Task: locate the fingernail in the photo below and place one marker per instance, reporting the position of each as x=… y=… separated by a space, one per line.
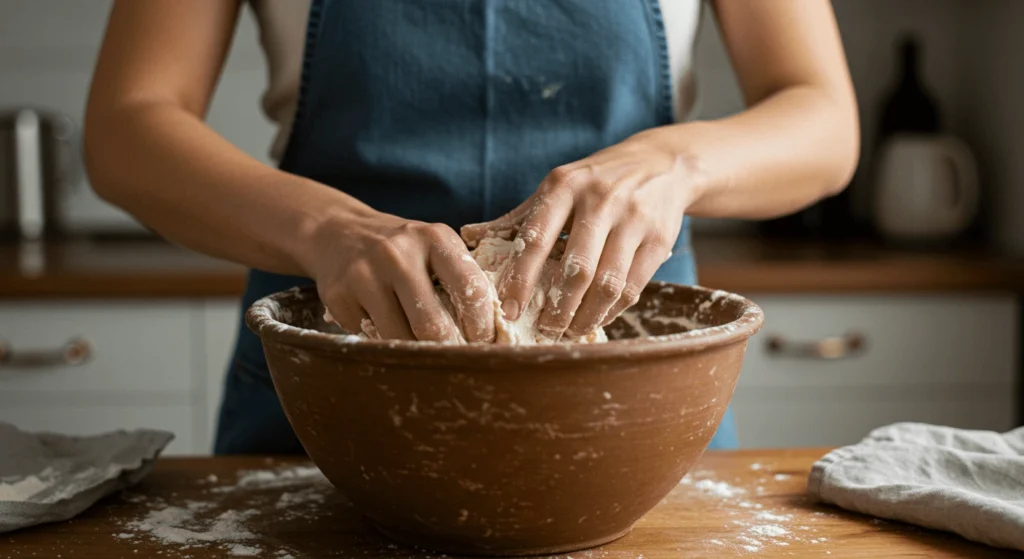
x=510 y=308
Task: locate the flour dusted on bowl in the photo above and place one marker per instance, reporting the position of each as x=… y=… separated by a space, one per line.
x=492 y=254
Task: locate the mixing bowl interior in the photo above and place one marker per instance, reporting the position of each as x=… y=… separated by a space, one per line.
x=672 y=314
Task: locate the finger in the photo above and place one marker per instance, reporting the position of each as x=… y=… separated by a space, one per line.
x=649 y=257
x=427 y=317
x=467 y=287
x=385 y=312
x=504 y=227
x=346 y=313
x=609 y=281
x=575 y=273
x=533 y=245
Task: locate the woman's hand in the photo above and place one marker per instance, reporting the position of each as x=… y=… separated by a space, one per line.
x=379 y=267
x=623 y=208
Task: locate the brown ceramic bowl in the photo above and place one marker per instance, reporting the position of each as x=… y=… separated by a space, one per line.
x=496 y=450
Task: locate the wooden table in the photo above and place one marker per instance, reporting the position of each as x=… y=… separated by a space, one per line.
x=732 y=504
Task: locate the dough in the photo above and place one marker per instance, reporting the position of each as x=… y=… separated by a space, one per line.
x=492 y=255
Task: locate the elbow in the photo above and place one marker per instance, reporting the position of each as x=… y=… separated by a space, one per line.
x=100 y=163
x=843 y=144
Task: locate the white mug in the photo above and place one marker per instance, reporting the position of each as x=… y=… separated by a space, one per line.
x=927 y=187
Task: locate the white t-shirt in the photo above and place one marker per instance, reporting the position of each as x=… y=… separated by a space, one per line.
x=283 y=32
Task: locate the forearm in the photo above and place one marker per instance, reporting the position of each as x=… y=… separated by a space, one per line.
x=786 y=152
x=167 y=168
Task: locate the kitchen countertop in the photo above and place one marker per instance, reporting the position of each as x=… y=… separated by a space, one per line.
x=733 y=503
x=154 y=269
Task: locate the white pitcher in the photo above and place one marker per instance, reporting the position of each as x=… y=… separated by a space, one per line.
x=927 y=187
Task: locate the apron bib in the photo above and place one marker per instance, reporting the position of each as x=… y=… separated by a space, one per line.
x=453 y=111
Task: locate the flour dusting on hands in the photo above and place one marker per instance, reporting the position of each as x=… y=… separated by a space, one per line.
x=492 y=254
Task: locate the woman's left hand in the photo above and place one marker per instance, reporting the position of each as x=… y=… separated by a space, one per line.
x=622 y=207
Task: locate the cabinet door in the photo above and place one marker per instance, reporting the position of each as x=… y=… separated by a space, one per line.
x=134 y=347
x=806 y=417
x=221 y=323
x=907 y=341
x=943 y=360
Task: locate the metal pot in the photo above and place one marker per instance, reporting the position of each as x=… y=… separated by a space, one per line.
x=40 y=158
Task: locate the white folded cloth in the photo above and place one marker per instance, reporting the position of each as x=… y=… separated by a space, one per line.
x=967 y=482
x=46 y=477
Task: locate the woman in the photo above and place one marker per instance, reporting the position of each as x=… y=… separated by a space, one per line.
x=403 y=120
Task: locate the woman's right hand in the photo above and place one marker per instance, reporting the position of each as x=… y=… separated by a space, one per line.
x=379 y=266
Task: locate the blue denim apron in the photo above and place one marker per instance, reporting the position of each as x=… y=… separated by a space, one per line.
x=453 y=111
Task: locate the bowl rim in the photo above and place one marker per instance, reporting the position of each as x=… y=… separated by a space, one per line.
x=261 y=318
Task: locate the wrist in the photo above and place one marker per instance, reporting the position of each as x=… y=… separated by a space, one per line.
x=323 y=223
x=679 y=144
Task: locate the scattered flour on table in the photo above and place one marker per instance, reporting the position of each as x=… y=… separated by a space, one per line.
x=753 y=526
x=719 y=488
x=293 y=492
x=244 y=550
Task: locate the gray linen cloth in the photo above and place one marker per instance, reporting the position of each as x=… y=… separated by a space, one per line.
x=967 y=482
x=46 y=477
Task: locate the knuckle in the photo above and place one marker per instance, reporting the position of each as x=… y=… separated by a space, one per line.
x=475 y=289
x=610 y=285
x=555 y=320
x=389 y=248
x=567 y=175
x=606 y=189
x=360 y=272
x=661 y=239
x=634 y=208
x=631 y=295
x=578 y=268
x=532 y=235
x=551 y=330
x=439 y=232
x=513 y=284
x=434 y=326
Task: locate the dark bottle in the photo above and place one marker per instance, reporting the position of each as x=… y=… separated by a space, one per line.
x=908 y=107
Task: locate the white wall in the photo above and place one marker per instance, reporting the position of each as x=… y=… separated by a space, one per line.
x=47 y=52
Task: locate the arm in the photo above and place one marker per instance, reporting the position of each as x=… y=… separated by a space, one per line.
x=796 y=143
x=149 y=151
x=799 y=139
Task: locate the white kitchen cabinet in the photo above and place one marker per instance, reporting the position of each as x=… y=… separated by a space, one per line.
x=949 y=360
x=135 y=347
x=221 y=318
x=143 y=369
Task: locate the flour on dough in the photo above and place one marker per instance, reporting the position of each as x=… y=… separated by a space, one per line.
x=492 y=255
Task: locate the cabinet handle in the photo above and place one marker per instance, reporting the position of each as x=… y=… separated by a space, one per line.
x=836 y=347
x=75 y=352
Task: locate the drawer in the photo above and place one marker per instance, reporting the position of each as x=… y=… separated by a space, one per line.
x=91 y=420
x=135 y=347
x=220 y=322
x=788 y=417
x=907 y=341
